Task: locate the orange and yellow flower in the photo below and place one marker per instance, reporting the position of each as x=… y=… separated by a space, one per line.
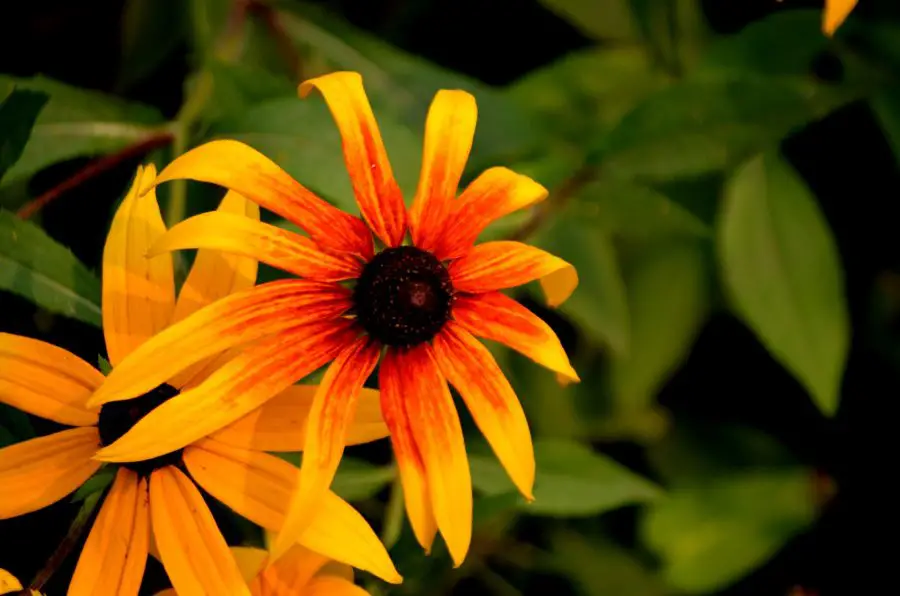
x=836 y=12
x=157 y=500
x=420 y=304
x=10 y=585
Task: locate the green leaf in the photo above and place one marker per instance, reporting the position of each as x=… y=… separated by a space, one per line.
x=673 y=31
x=103 y=364
x=99 y=481
x=77 y=123
x=668 y=291
x=15 y=425
x=151 y=30
x=18 y=112
x=357 y=480
x=711 y=534
x=572 y=480
x=607 y=20
x=36 y=267
x=237 y=88
x=782 y=270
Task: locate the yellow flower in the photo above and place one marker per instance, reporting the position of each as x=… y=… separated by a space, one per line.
x=156 y=500
x=836 y=12
x=417 y=307
x=300 y=572
x=9 y=584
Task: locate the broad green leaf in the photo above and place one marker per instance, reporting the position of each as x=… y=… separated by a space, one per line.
x=782 y=270
x=606 y=20
x=674 y=31
x=236 y=88
x=713 y=121
x=357 y=480
x=17 y=115
x=77 y=123
x=711 y=534
x=14 y=425
x=668 y=291
x=151 y=30
x=598 y=305
x=36 y=267
x=572 y=480
x=99 y=481
x=300 y=135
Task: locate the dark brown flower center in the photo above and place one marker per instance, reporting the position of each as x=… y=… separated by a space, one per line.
x=403 y=296
x=118 y=417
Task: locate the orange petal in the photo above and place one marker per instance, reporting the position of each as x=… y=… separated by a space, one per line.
x=469 y=367
x=47 y=381
x=258 y=312
x=332 y=411
x=495 y=193
x=333 y=586
x=272 y=245
x=193 y=552
x=38 y=472
x=449 y=130
x=379 y=197
x=291 y=574
x=113 y=558
x=230 y=393
x=8 y=582
x=413 y=377
x=280 y=424
x=215 y=274
x=138 y=293
x=507 y=264
x=258 y=486
x=245 y=170
x=836 y=12
x=498 y=317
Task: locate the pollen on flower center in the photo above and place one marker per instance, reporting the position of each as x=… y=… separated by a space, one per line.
x=403 y=296
x=118 y=417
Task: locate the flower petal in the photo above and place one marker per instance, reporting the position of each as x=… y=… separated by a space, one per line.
x=469 y=367
x=449 y=130
x=507 y=264
x=272 y=245
x=41 y=471
x=8 y=582
x=138 y=293
x=245 y=170
x=193 y=551
x=414 y=377
x=836 y=12
x=47 y=381
x=258 y=486
x=377 y=193
x=247 y=316
x=332 y=586
x=115 y=553
x=498 y=317
x=495 y=193
x=215 y=274
x=292 y=572
x=250 y=560
x=231 y=392
x=280 y=424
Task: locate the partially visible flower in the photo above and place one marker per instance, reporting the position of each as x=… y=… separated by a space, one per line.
x=300 y=572
x=9 y=585
x=156 y=500
x=836 y=12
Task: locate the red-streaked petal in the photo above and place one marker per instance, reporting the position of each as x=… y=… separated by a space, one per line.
x=280 y=424
x=236 y=389
x=241 y=168
x=379 y=197
x=113 y=558
x=449 y=130
x=507 y=264
x=495 y=193
x=41 y=471
x=138 y=293
x=269 y=244
x=244 y=317
x=332 y=411
x=469 y=367
x=192 y=549
x=47 y=381
x=413 y=376
x=498 y=317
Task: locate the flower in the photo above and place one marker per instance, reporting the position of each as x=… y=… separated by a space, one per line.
x=836 y=12
x=10 y=585
x=300 y=572
x=423 y=304
x=155 y=500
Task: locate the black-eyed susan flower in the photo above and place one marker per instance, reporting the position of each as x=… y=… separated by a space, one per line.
x=10 y=585
x=300 y=572
x=836 y=12
x=156 y=499
x=420 y=303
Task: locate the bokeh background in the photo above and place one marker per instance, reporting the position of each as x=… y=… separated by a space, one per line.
x=723 y=175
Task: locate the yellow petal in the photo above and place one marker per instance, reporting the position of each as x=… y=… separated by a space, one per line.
x=193 y=551
x=333 y=586
x=8 y=583
x=258 y=486
x=280 y=424
x=250 y=560
x=115 y=553
x=138 y=293
x=291 y=574
x=38 y=472
x=47 y=381
x=836 y=12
